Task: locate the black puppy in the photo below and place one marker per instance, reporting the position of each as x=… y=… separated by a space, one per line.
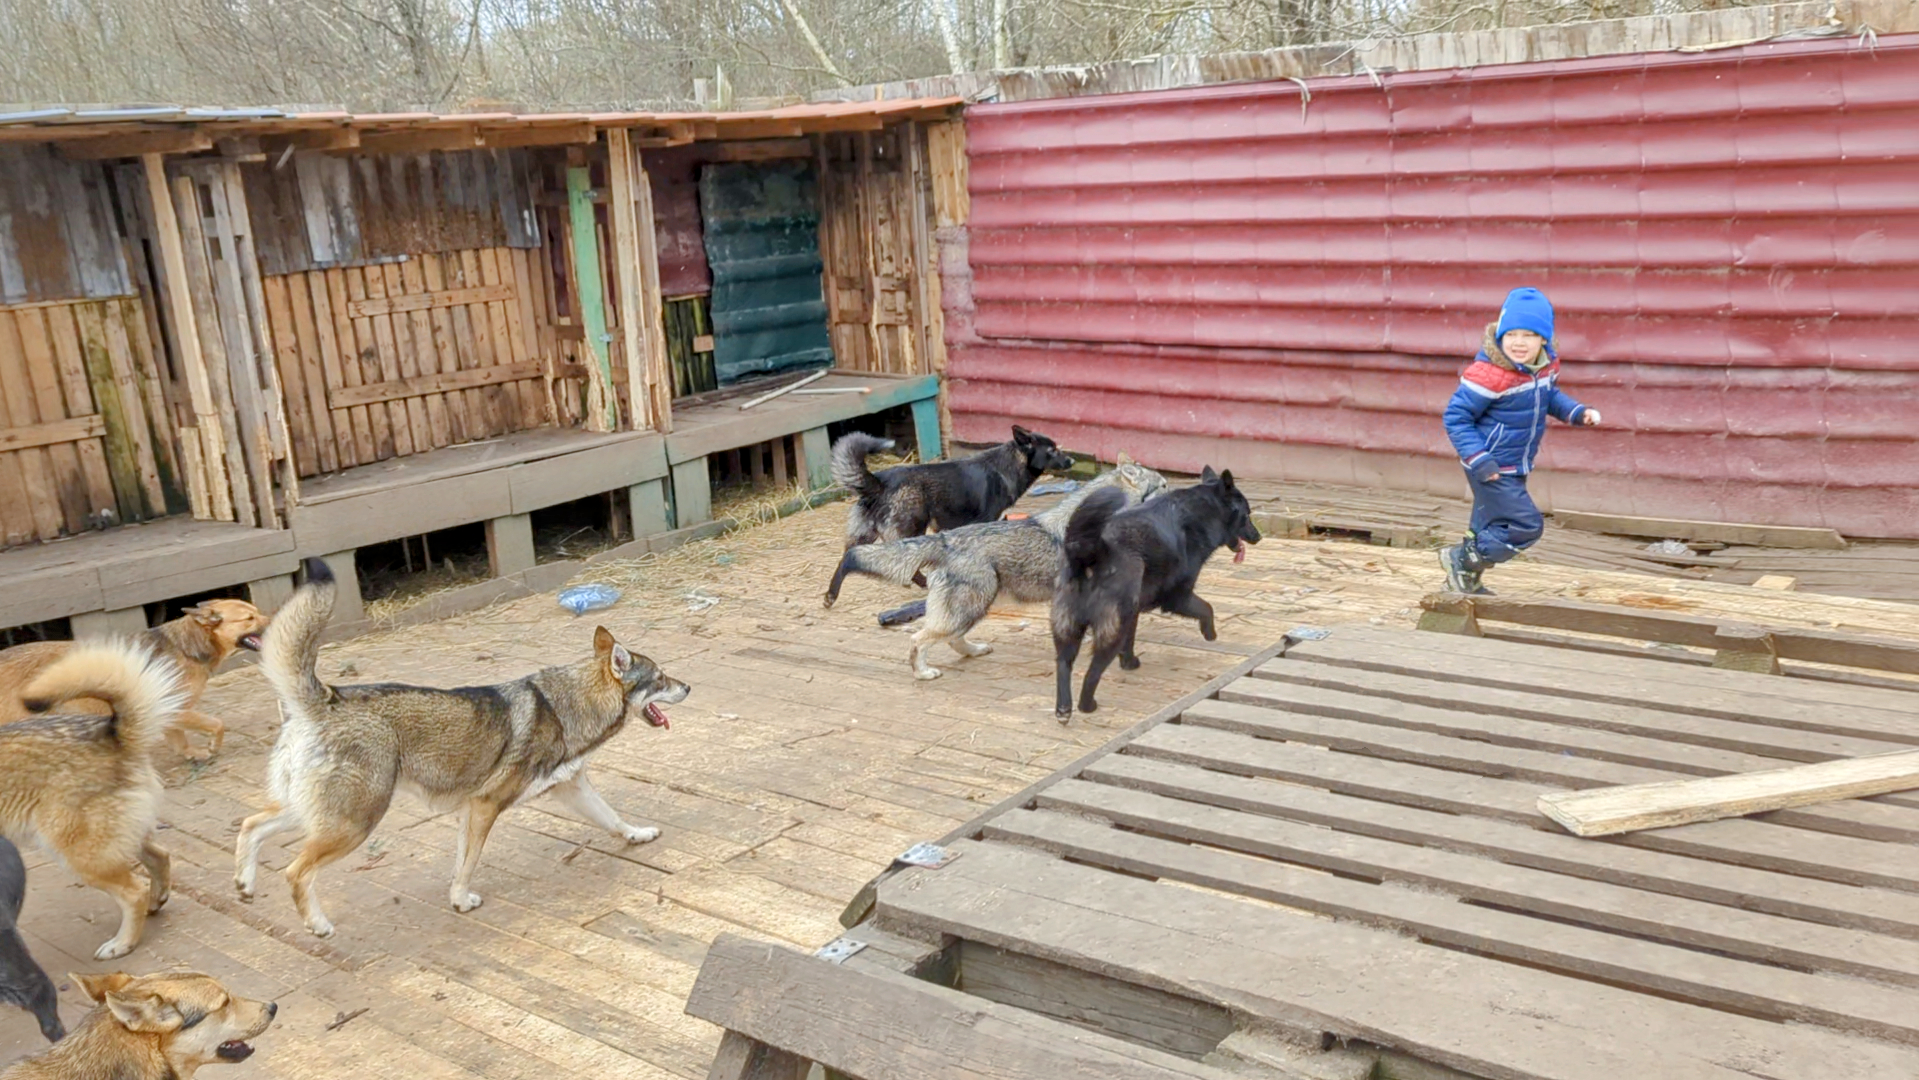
x=1117 y=564
x=908 y=500
x=22 y=982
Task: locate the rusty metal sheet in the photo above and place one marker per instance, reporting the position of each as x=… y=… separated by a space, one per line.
x=674 y=175
x=1731 y=240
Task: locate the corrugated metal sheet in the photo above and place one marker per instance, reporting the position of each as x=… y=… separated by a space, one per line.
x=322 y=210
x=58 y=240
x=1732 y=240
x=763 y=244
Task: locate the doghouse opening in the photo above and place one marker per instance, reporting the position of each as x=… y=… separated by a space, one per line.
x=580 y=529
x=416 y=565
x=169 y=610
x=50 y=630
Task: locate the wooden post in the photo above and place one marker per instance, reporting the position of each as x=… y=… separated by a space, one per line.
x=926 y=428
x=659 y=375
x=692 y=494
x=269 y=593
x=626 y=265
x=509 y=545
x=650 y=508
x=124 y=622
x=816 y=454
x=1745 y=648
x=952 y=207
x=602 y=412
x=348 y=608
x=741 y=1058
x=206 y=475
x=923 y=261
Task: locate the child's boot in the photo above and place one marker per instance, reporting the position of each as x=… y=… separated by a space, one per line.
x=1463 y=565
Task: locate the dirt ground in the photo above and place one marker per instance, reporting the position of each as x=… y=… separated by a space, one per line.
x=804 y=760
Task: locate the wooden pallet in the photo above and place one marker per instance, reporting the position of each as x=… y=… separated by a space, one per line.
x=1339 y=844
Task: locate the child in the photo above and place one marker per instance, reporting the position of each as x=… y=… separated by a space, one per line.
x=1496 y=420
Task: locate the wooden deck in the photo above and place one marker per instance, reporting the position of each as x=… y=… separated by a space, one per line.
x=1339 y=843
x=136 y=564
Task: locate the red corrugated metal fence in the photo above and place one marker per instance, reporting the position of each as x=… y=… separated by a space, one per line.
x=1731 y=239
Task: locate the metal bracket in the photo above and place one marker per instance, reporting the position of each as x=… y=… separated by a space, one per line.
x=838 y=950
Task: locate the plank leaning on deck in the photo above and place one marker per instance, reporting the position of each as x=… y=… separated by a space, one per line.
x=1630 y=808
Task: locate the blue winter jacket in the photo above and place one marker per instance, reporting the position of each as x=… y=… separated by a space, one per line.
x=1500 y=411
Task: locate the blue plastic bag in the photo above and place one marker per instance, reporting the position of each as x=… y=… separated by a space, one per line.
x=1055 y=487
x=581 y=599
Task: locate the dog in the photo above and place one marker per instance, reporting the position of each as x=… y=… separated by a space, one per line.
x=22 y=981
x=1116 y=563
x=908 y=500
x=968 y=568
x=197 y=642
x=151 y=1027
x=85 y=785
x=344 y=750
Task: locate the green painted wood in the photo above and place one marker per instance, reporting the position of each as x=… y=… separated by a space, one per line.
x=926 y=428
x=588 y=286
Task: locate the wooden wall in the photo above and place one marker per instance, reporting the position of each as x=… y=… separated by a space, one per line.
x=875 y=242
x=83 y=434
x=400 y=358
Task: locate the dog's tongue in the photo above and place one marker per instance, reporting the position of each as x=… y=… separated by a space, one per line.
x=1239 y=551
x=656 y=716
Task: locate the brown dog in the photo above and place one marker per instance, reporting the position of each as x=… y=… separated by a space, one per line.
x=197 y=643
x=154 y=1027
x=85 y=786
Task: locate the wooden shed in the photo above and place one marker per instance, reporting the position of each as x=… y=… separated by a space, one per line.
x=263 y=335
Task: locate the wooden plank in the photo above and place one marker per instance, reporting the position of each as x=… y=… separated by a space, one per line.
x=184 y=141
x=402 y=389
x=444 y=355
x=1725 y=884
x=65 y=335
x=307 y=396
x=494 y=337
x=57 y=432
x=1748 y=843
x=523 y=327
x=1780 y=536
x=406 y=353
x=133 y=404
x=1276 y=968
x=62 y=456
x=1668 y=970
x=264 y=377
x=623 y=201
x=590 y=296
x=1629 y=808
x=1514 y=752
x=232 y=494
x=306 y=450
x=38 y=480
x=425 y=353
x=340 y=353
x=851 y=1019
x=142 y=332
x=429 y=300
x=122 y=463
x=658 y=370
x=206 y=484
x=378 y=334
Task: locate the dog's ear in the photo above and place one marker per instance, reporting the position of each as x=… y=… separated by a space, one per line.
x=1124 y=458
x=97 y=987
x=143 y=1012
x=603 y=642
x=1208 y=476
x=622 y=659
x=1226 y=479
x=204 y=615
x=1021 y=435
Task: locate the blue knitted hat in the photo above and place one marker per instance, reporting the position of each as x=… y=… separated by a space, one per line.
x=1526 y=309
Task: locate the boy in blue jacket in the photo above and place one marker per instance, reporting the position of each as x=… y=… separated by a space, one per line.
x=1496 y=421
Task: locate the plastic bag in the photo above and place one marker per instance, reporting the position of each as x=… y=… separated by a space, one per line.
x=581 y=599
x=1054 y=487
x=1669 y=547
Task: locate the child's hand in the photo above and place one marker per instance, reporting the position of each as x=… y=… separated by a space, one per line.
x=1590 y=418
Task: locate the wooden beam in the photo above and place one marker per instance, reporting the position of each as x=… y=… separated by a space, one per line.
x=92 y=426
x=190 y=141
x=347 y=397
x=417 y=142
x=626 y=267
x=1781 y=536
x=761 y=129
x=209 y=454
x=741 y=1058
x=590 y=292
x=760 y=150
x=543 y=135
x=659 y=372
x=1633 y=807
x=322 y=139
x=394 y=305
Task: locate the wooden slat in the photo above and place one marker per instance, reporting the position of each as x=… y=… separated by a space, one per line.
x=622 y=196
x=523 y=323
x=376 y=334
x=425 y=354
x=141 y=330
x=239 y=379
x=292 y=365
x=65 y=336
x=26 y=332
x=658 y=371
x=122 y=459
x=875 y=1023
x=309 y=396
x=1809 y=899
x=442 y=356
x=453 y=268
x=475 y=327
x=1629 y=808
x=506 y=344
x=206 y=483
x=339 y=343
x=1273 y=967
x=233 y=494
x=1684 y=974
x=1458 y=749
x=426 y=301
x=133 y=403
x=59 y=431
x=589 y=297
x=1835 y=858
x=38 y=477
x=1781 y=536
x=401 y=389
x=263 y=376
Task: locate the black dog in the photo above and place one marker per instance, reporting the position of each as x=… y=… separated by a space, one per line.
x=22 y=982
x=1117 y=564
x=908 y=500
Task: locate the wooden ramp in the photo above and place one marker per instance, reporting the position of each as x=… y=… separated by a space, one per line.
x=1337 y=844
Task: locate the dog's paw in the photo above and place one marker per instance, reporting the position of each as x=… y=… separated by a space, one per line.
x=465 y=902
x=158 y=902
x=638 y=834
x=1088 y=705
x=927 y=674
x=320 y=926
x=1129 y=663
x=113 y=950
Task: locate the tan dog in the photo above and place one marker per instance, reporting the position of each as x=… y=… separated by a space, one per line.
x=85 y=785
x=197 y=643
x=344 y=750
x=155 y=1027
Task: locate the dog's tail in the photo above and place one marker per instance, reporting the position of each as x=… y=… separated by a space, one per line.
x=1085 y=544
x=292 y=645
x=144 y=688
x=897 y=561
x=849 y=462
